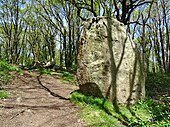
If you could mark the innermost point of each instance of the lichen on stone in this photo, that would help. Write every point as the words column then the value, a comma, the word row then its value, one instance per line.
column 108, row 59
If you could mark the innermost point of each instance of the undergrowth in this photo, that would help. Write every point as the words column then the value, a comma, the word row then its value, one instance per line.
column 65, row 76
column 5, row 74
column 99, row 112
column 154, row 111
column 3, row 94
column 158, row 85
column 45, row 71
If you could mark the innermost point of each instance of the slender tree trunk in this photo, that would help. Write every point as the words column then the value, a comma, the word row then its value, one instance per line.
column 65, row 48
column 61, row 52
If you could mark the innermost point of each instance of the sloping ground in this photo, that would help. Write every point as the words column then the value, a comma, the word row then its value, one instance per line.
column 39, row 101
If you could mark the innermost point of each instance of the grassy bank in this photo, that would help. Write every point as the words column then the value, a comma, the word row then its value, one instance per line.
column 6, row 76
column 154, row 111
column 98, row 112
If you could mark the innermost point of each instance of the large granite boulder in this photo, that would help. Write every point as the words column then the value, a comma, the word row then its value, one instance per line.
column 108, row 63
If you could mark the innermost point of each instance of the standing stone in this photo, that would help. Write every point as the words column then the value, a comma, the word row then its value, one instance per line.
column 108, row 63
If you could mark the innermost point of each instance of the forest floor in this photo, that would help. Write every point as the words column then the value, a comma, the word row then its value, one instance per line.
column 39, row 101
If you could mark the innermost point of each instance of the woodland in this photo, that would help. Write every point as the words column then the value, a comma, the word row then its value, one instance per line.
column 44, row 35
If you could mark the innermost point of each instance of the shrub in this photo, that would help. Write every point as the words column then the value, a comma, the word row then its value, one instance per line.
column 3, row 94
column 5, row 70
column 157, row 84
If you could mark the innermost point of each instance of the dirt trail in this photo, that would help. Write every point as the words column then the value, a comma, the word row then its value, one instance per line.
column 39, row 101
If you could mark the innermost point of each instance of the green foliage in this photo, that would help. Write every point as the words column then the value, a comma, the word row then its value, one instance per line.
column 5, row 70
column 45, row 71
column 3, row 94
column 158, row 88
column 94, row 110
column 99, row 112
column 64, row 75
column 4, row 66
column 158, row 84
column 67, row 77
column 160, row 110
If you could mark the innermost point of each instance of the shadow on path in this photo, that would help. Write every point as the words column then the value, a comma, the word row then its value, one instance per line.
column 47, row 89
column 30, row 105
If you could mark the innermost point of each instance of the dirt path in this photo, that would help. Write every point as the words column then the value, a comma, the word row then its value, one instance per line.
column 39, row 101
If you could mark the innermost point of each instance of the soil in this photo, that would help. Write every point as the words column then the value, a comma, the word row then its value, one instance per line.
column 39, row 101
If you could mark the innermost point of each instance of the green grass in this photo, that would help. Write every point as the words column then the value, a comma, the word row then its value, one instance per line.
column 158, row 84
column 98, row 112
column 3, row 94
column 45, row 71
column 5, row 74
column 94, row 110
column 64, row 75
column 67, row 77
